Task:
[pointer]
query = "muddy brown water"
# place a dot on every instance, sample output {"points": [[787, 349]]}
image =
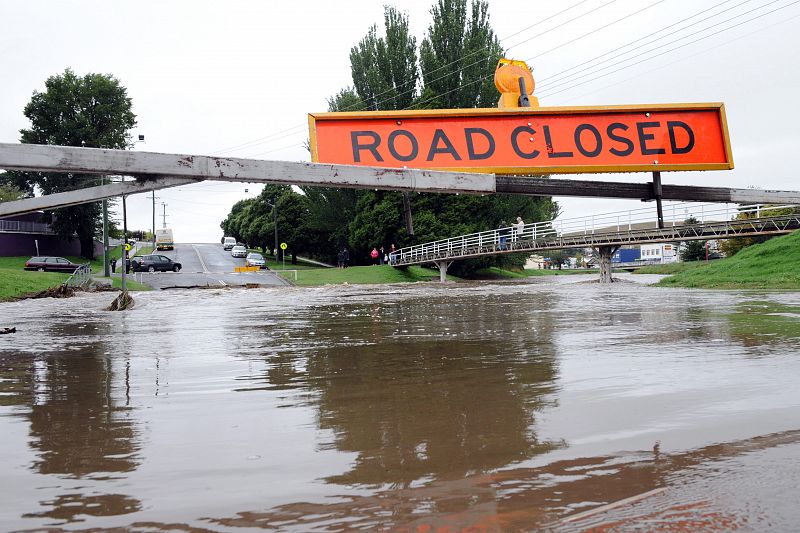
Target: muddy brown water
{"points": [[550, 405]]}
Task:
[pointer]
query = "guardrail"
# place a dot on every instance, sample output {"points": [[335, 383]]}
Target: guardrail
{"points": [[81, 277], [580, 231]]}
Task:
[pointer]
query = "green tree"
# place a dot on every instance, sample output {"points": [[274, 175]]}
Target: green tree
{"points": [[92, 111], [12, 187], [384, 69], [458, 57], [693, 250], [731, 247]]}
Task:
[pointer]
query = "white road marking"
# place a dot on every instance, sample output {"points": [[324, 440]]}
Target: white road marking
{"points": [[200, 257], [223, 283]]}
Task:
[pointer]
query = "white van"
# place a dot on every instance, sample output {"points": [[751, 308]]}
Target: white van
{"points": [[228, 243]]}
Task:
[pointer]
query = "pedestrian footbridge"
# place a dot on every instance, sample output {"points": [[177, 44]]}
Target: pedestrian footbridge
{"points": [[607, 232]]}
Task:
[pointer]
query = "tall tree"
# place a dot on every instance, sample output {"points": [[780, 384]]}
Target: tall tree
{"points": [[458, 57], [384, 69], [8, 188], [93, 111], [693, 250]]}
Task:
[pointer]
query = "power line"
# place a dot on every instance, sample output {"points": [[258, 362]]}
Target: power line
{"points": [[675, 48], [683, 58], [646, 36], [572, 77], [422, 74]]}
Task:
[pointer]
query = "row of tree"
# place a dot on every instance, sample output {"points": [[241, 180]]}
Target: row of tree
{"points": [[453, 67]]}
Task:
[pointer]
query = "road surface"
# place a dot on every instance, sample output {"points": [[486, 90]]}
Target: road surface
{"points": [[206, 265]]}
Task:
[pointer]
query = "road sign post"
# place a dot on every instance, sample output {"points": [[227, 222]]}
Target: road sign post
{"points": [[283, 254]]}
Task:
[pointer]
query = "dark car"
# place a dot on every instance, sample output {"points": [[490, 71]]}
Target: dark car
{"points": [[50, 264], [153, 263]]}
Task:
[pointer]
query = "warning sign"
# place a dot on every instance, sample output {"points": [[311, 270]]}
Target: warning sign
{"points": [[529, 141]]}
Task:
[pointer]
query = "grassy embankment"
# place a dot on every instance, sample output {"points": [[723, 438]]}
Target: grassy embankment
{"points": [[16, 282], [774, 264], [362, 275]]}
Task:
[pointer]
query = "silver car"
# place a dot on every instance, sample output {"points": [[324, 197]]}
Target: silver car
{"points": [[239, 251], [255, 259]]}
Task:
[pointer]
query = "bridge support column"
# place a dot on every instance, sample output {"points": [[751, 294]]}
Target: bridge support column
{"points": [[443, 266], [605, 253]]}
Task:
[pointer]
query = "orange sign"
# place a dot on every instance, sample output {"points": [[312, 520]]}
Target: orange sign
{"points": [[529, 141]]}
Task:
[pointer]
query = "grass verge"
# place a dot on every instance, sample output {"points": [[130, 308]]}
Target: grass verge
{"points": [[671, 268], [770, 265], [17, 282], [363, 275]]}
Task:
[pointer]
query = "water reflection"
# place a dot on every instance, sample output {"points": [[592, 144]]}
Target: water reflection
{"points": [[434, 387], [79, 424]]}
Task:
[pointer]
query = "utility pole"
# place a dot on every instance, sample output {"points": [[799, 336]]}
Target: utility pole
{"points": [[124, 244], [106, 266], [275, 217], [164, 215], [154, 219]]}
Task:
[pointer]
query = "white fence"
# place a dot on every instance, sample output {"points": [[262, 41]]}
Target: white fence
{"points": [[513, 237], [21, 226]]}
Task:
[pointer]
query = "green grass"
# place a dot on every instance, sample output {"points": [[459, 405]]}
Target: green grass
{"points": [[363, 275], [774, 264], [15, 282], [670, 268], [530, 272], [129, 284], [272, 264], [144, 250]]}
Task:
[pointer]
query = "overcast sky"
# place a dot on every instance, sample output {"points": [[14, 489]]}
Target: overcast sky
{"points": [[238, 78]]}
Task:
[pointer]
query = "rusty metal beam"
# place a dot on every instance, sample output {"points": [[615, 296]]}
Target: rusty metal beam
{"points": [[88, 195], [640, 191], [48, 158]]}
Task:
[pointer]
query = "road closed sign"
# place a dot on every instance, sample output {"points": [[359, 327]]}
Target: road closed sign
{"points": [[529, 141]]}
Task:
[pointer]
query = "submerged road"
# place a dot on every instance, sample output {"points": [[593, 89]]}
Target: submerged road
{"points": [[206, 265]]}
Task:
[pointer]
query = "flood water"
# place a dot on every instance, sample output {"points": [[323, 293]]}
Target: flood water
{"points": [[551, 405]]}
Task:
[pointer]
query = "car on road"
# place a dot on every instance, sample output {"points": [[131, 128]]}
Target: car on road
{"points": [[50, 264], [254, 259], [228, 243], [154, 263], [239, 251]]}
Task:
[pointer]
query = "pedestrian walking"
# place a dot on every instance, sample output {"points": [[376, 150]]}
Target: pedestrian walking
{"points": [[374, 255], [519, 228], [502, 234], [340, 258], [113, 265], [382, 255]]}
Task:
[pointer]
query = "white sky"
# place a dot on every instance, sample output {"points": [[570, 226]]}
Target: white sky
{"points": [[207, 76]]}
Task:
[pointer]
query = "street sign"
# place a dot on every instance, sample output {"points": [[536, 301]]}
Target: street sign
{"points": [[529, 141], [127, 247], [284, 246]]}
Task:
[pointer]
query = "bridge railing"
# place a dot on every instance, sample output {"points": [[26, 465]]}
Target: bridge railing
{"points": [[512, 237]]}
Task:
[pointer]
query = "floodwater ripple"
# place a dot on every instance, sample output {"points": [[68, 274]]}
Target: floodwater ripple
{"points": [[551, 405]]}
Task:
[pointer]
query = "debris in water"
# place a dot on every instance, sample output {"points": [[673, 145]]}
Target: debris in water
{"points": [[6, 331], [122, 302]]}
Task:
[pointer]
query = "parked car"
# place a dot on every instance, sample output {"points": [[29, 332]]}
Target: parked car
{"points": [[153, 263], [255, 259], [228, 243], [239, 251], [50, 264]]}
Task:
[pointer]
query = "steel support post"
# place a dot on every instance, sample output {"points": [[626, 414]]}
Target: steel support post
{"points": [[443, 266], [106, 266], [657, 193], [605, 253], [124, 243]]}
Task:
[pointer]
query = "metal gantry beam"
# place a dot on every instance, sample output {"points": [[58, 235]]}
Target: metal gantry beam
{"points": [[584, 232], [158, 170]]}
